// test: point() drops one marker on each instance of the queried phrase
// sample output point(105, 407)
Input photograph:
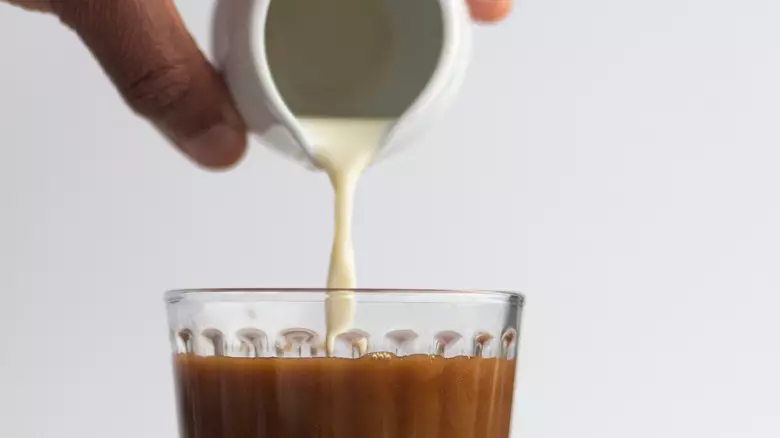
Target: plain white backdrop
point(617, 160)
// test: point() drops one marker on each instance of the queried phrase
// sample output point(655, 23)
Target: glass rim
point(318, 294)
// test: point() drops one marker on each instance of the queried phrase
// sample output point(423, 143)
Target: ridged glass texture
point(417, 364)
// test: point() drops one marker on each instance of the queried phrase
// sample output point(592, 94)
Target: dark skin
point(155, 64)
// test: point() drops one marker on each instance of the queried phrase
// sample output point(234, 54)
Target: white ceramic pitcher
point(239, 46)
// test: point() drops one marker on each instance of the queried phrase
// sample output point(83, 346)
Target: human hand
point(155, 64)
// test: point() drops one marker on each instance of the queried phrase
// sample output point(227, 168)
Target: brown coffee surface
point(376, 396)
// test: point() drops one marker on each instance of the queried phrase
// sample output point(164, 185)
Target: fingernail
point(220, 146)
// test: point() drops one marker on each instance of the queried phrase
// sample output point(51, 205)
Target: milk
point(347, 70)
point(344, 148)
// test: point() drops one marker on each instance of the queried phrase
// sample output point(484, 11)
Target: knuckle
point(158, 90)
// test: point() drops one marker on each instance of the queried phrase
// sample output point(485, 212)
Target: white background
point(615, 159)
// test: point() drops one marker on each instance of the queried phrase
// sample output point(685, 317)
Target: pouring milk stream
point(336, 85)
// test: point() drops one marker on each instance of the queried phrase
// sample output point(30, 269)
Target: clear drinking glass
point(251, 363)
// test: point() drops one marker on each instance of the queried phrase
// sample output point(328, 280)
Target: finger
point(154, 62)
point(489, 10)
